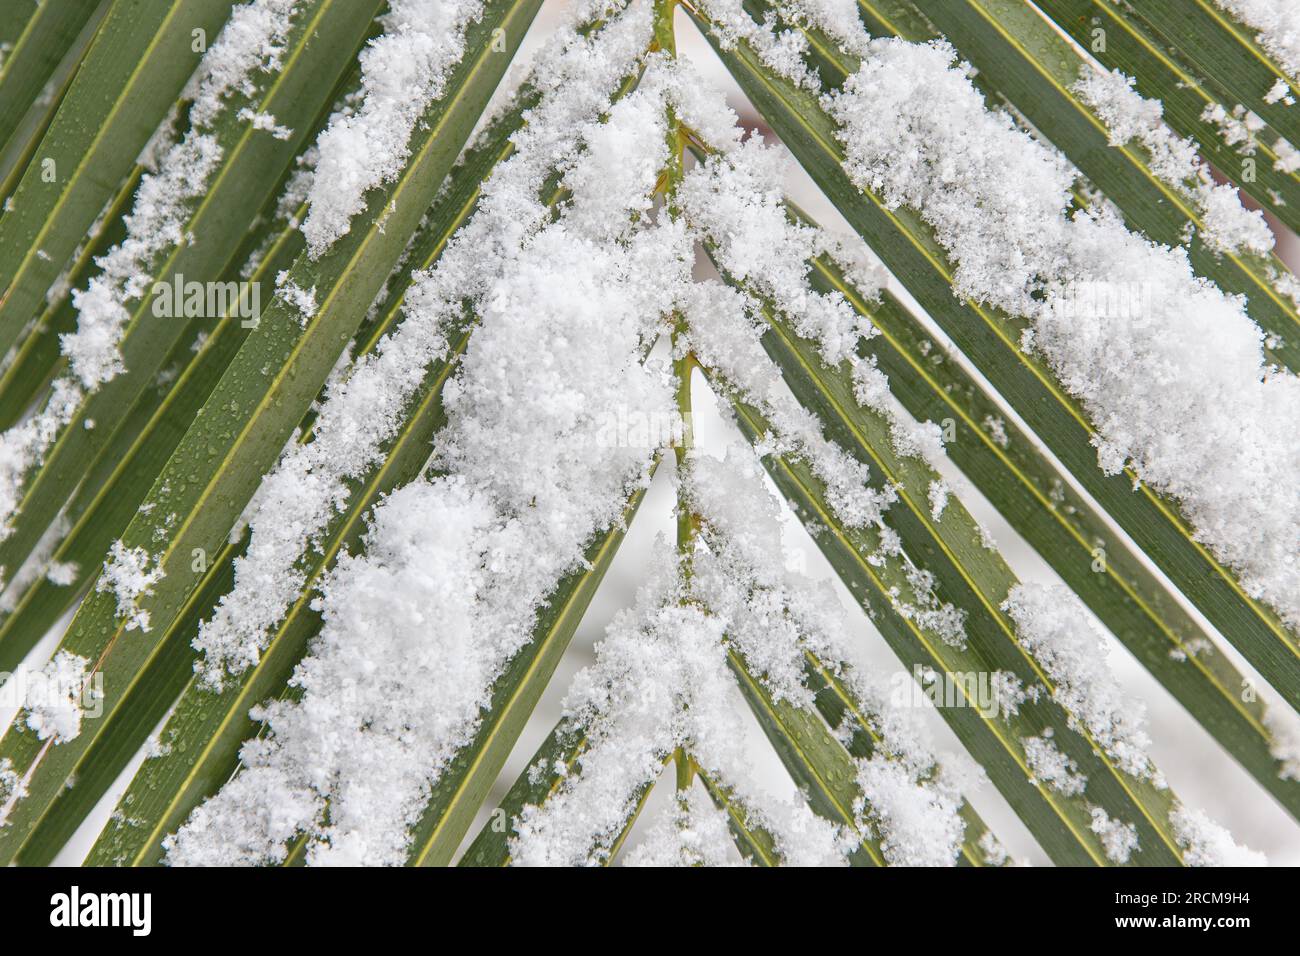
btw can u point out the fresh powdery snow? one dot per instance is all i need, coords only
(1118, 839)
(251, 41)
(128, 575)
(402, 72)
(916, 821)
(1205, 843)
(1278, 23)
(1054, 626)
(54, 697)
(1052, 767)
(13, 787)
(1283, 725)
(691, 832)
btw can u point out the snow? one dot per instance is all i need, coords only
(62, 573)
(252, 41)
(1054, 626)
(1288, 157)
(916, 822)
(1118, 839)
(403, 72)
(1283, 725)
(783, 51)
(1237, 128)
(660, 681)
(995, 854)
(937, 492)
(724, 333)
(1278, 23)
(13, 787)
(737, 200)
(691, 832)
(773, 616)
(1052, 767)
(302, 301)
(1206, 843)
(54, 697)
(1279, 92)
(129, 577)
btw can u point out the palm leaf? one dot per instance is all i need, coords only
(37, 70)
(155, 468)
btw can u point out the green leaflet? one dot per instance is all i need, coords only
(261, 398)
(36, 72)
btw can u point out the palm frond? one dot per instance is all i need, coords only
(314, 567)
